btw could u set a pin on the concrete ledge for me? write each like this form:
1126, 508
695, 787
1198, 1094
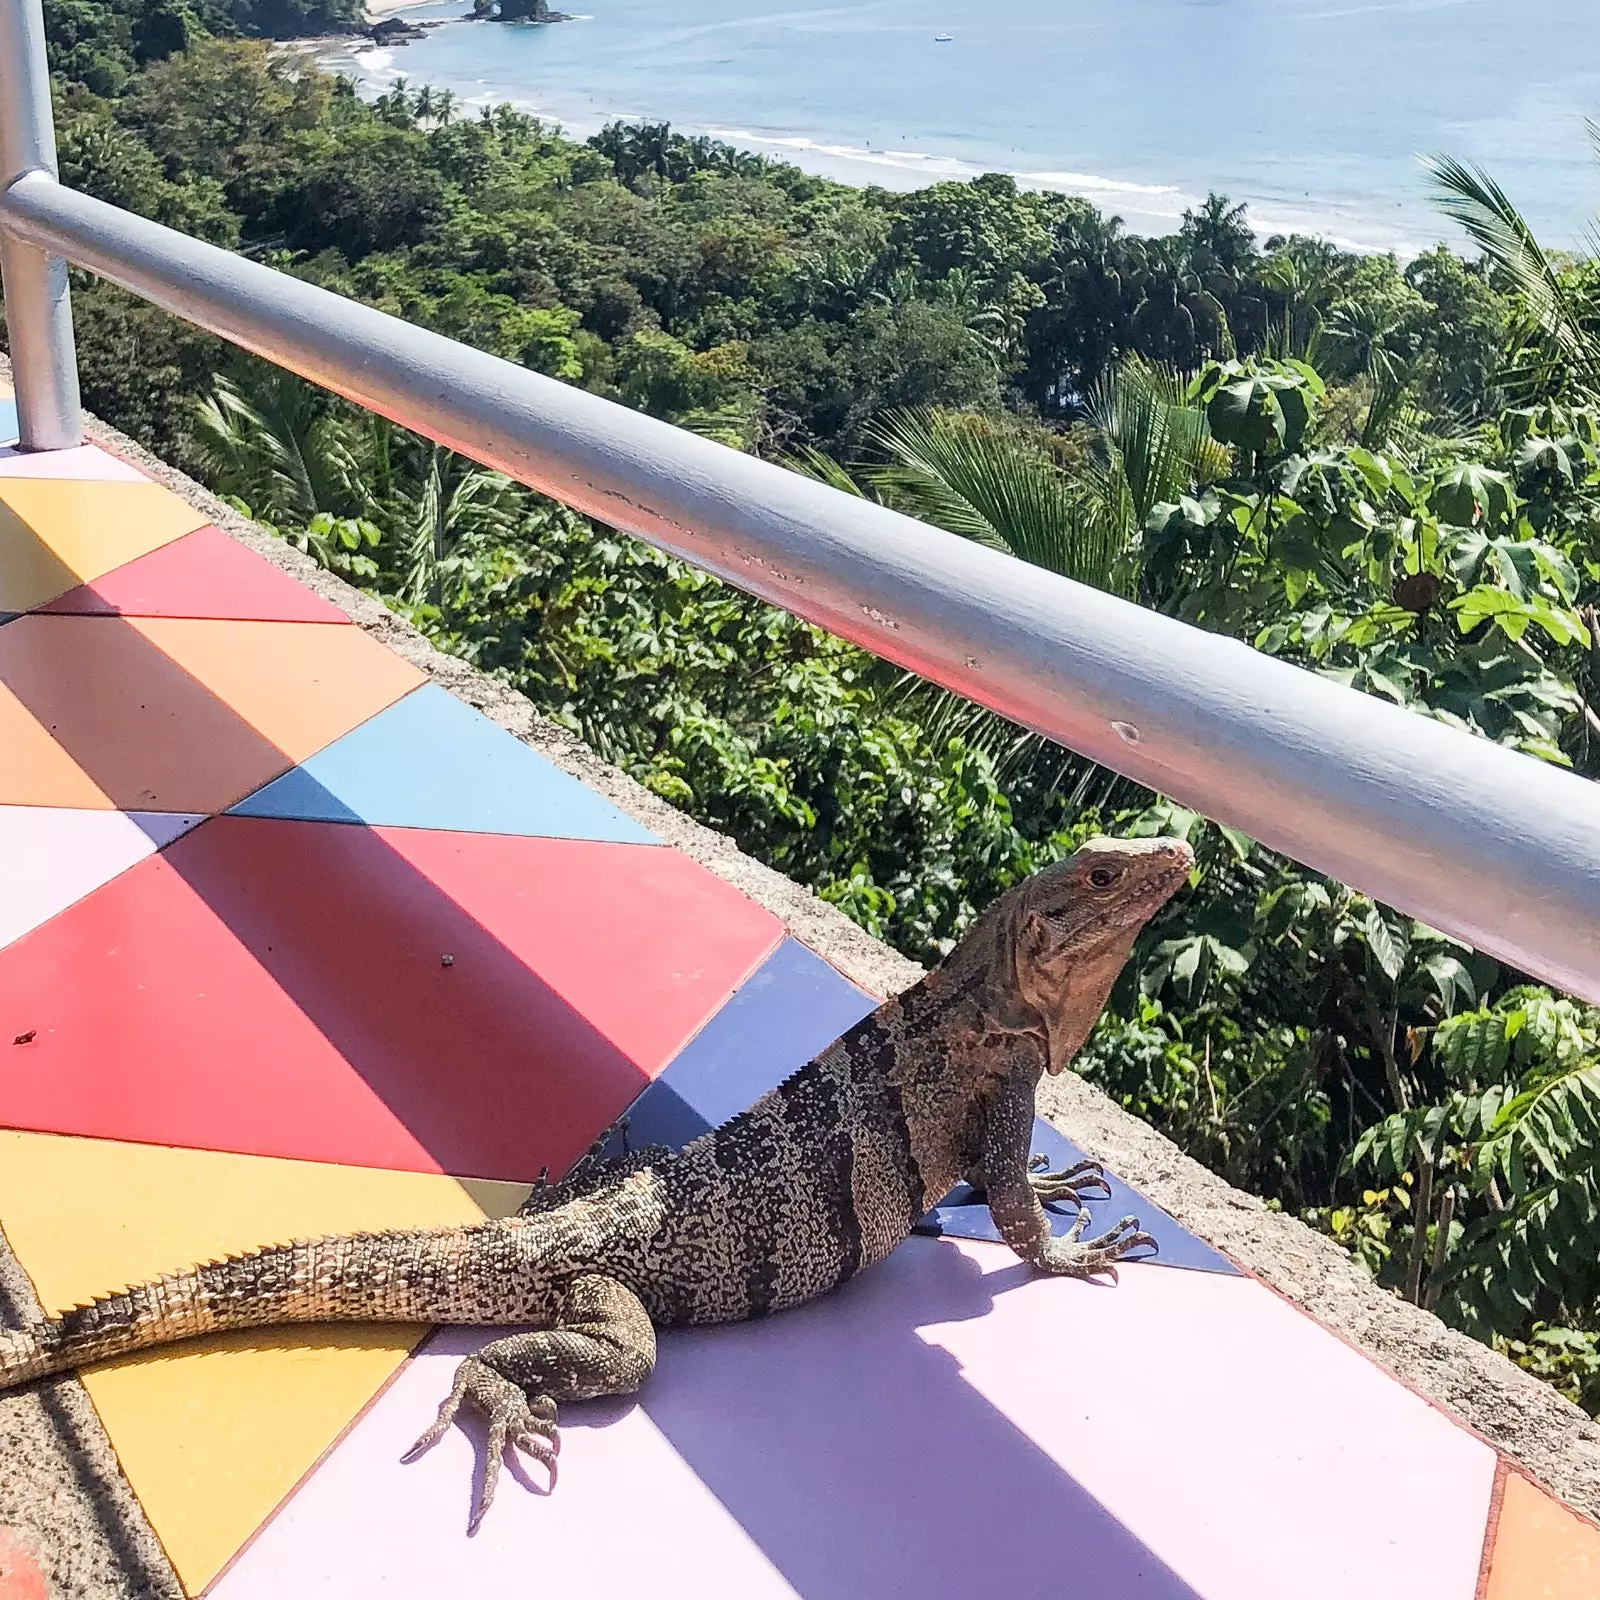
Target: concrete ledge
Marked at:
60, 1485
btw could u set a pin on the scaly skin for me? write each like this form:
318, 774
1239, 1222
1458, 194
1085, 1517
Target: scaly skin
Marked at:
820, 1179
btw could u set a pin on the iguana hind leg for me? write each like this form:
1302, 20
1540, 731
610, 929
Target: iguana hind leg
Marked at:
602, 1343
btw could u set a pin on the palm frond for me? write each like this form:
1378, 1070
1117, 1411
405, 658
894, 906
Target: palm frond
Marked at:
986, 482
1471, 198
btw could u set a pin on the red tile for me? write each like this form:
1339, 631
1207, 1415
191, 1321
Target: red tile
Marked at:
205, 574
279, 988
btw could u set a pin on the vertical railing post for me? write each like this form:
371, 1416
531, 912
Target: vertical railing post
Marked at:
44, 363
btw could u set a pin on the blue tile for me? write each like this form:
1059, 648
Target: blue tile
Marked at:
790, 1009
430, 761
8, 421
959, 1217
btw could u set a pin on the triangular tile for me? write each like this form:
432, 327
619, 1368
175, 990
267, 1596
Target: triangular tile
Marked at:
84, 461
204, 574
945, 1427
1541, 1551
170, 714
58, 533
51, 857
282, 988
433, 762
793, 1006
214, 1433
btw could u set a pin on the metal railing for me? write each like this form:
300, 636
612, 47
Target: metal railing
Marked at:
1495, 848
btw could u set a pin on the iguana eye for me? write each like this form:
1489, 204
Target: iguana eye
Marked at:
1102, 877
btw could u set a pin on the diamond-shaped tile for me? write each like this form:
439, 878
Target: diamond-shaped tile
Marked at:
282, 988
944, 1427
792, 1007
51, 856
85, 461
1541, 1550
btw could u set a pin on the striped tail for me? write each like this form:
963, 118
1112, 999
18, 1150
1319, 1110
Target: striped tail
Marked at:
437, 1275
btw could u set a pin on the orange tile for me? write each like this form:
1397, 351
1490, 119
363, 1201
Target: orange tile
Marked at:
170, 714
1542, 1551
56, 534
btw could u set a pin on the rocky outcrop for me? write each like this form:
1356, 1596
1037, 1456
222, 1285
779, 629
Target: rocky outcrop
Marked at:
517, 11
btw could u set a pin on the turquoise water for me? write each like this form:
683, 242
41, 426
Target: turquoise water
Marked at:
1313, 111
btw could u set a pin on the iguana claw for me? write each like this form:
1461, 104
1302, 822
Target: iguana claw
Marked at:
1073, 1256
525, 1423
1065, 1183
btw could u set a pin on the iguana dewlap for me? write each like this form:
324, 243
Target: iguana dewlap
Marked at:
821, 1178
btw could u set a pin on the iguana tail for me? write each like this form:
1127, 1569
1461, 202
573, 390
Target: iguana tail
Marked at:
436, 1275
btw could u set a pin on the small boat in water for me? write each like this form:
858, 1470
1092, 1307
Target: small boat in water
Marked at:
943, 38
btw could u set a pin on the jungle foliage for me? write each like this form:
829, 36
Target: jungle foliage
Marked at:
1389, 475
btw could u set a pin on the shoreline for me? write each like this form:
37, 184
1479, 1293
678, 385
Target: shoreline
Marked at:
377, 10
1148, 210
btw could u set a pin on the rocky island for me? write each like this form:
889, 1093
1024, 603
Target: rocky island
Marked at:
517, 11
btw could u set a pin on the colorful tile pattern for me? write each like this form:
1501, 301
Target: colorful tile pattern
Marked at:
945, 1427
292, 942
51, 858
168, 714
56, 534
213, 1435
576, 971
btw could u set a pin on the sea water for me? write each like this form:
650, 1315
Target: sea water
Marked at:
1314, 112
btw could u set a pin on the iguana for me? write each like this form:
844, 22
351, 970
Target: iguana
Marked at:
819, 1179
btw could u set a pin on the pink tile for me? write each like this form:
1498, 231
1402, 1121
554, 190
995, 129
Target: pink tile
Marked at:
51, 857
87, 461
947, 1427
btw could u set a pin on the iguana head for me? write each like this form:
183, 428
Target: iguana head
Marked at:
1072, 926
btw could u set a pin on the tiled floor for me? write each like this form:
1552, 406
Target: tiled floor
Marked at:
239, 841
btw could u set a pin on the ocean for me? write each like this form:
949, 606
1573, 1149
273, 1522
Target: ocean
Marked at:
1313, 112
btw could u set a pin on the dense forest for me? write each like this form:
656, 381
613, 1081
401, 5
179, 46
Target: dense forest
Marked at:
1388, 474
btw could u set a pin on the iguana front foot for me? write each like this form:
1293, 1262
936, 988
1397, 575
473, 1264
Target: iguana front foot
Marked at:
1065, 1183
524, 1422
1073, 1256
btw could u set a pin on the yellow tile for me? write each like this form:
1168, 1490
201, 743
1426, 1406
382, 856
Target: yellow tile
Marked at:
212, 1435
56, 534
1542, 1551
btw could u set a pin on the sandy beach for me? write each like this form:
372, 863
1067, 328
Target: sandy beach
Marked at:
377, 9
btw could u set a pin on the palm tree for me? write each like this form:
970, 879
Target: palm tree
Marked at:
1556, 350
273, 441
454, 498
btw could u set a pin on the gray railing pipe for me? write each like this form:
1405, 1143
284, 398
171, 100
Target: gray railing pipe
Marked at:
1496, 848
38, 310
